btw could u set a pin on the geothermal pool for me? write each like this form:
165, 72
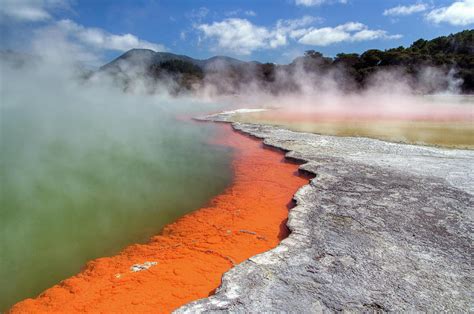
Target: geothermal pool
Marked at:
187, 260
84, 178
445, 121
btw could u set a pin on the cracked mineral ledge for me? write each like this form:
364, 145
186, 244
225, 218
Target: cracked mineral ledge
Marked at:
382, 227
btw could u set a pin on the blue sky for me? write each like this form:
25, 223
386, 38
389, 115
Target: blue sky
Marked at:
263, 30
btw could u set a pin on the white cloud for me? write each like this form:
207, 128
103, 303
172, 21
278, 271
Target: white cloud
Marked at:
402, 10
351, 27
348, 32
368, 34
240, 11
101, 40
459, 13
30, 10
324, 36
310, 3
240, 36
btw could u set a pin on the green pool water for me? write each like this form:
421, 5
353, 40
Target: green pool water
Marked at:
84, 173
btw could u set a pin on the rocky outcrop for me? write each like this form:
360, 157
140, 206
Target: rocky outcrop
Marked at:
382, 227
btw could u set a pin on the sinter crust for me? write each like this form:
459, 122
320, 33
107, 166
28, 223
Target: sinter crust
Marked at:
382, 227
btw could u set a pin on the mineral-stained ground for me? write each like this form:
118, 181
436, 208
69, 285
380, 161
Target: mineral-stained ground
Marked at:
382, 227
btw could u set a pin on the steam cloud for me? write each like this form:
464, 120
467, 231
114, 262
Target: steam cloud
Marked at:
296, 89
87, 168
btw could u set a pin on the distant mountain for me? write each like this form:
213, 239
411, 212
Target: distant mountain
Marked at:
146, 58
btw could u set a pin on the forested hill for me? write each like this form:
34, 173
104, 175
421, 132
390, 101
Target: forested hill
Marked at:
449, 58
454, 52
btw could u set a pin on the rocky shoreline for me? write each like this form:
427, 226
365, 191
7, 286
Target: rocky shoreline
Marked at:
382, 227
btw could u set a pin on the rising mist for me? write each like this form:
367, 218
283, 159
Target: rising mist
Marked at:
87, 169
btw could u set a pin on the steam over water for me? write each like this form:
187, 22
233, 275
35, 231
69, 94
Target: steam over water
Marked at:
87, 170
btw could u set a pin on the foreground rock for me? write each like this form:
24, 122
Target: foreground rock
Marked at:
382, 227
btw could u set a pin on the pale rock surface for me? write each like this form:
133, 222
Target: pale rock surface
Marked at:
382, 227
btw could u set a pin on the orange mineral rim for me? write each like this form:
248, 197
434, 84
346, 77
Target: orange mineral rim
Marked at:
187, 260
